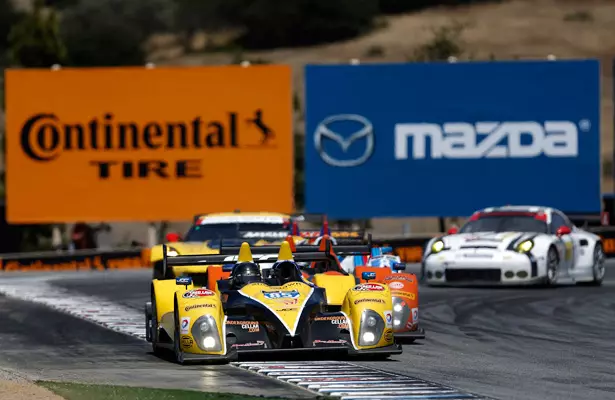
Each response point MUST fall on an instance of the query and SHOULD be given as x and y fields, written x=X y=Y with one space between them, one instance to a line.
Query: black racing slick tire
x=550 y=279
x=598 y=268
x=154 y=328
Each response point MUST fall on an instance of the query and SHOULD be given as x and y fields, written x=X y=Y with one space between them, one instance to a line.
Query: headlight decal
x=525 y=247
x=371 y=329
x=206 y=334
x=401 y=313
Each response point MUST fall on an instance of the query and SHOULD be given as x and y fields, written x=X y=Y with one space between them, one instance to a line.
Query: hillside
x=518 y=29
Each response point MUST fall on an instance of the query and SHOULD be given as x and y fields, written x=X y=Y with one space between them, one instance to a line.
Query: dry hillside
x=516 y=29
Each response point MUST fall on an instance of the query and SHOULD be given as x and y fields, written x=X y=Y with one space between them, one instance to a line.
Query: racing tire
x=598 y=268
x=177 y=351
x=550 y=279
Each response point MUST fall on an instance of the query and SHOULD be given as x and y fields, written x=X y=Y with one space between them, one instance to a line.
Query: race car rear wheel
x=179 y=354
x=154 y=328
x=552 y=266
x=598 y=269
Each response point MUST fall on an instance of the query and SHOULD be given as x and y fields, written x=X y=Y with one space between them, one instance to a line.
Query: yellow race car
x=209 y=231
x=283 y=312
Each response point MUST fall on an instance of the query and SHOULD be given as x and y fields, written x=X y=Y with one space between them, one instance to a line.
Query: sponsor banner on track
x=153 y=135
x=444 y=139
x=80 y=260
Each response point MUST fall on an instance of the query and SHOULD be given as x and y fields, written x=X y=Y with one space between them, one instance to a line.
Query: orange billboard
x=137 y=144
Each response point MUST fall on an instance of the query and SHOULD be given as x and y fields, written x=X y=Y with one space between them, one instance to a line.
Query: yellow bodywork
x=380 y=301
x=336 y=286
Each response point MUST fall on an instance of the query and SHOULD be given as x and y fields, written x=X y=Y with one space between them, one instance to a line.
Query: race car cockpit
x=244 y=273
x=284 y=272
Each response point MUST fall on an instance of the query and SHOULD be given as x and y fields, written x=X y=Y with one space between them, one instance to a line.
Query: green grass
x=80 y=391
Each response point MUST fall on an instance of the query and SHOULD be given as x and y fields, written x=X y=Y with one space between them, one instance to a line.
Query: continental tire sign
x=126 y=144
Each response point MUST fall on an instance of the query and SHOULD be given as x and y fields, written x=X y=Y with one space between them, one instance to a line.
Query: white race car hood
x=486 y=240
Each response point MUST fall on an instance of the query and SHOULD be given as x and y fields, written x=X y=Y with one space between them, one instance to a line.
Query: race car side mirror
x=399 y=266
x=183 y=281
x=453 y=230
x=173 y=237
x=563 y=230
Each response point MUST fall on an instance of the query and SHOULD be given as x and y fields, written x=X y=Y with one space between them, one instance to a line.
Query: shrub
x=112 y=32
x=272 y=23
x=445 y=43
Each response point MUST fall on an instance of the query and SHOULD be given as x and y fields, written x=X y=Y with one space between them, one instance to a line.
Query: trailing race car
x=403 y=286
x=389 y=270
x=515 y=245
x=210 y=231
x=249 y=313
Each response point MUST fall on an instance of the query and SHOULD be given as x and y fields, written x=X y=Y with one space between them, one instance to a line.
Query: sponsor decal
x=369 y=301
x=290 y=302
x=338 y=320
x=388 y=335
x=274 y=235
x=250 y=326
x=372 y=287
x=188 y=308
x=398 y=277
x=388 y=318
x=183 y=280
x=187 y=341
x=194 y=293
x=281 y=294
x=415 y=315
x=338 y=341
x=184 y=325
x=396 y=285
x=250 y=344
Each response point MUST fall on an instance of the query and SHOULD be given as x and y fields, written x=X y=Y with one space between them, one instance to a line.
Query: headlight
x=437 y=246
x=171 y=252
x=401 y=313
x=525 y=246
x=205 y=333
x=371 y=328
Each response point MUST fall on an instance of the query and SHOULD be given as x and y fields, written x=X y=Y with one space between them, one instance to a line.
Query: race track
x=503 y=343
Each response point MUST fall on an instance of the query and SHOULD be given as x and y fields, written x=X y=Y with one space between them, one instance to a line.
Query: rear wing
x=269 y=254
x=298 y=254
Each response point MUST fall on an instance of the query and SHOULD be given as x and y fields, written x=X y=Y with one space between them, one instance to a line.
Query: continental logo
x=45 y=137
x=65 y=263
x=369 y=301
x=188 y=308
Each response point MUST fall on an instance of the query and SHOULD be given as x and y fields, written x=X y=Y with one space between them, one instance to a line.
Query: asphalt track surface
x=519 y=343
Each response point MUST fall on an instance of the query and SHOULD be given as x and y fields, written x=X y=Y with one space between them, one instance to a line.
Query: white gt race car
x=515 y=245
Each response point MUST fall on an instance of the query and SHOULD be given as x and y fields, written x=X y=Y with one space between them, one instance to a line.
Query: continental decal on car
x=142 y=133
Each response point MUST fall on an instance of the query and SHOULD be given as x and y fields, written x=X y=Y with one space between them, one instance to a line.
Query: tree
x=112 y=32
x=274 y=23
x=8 y=17
x=35 y=41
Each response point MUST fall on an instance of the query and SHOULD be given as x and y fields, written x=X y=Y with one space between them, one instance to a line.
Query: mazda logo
x=365 y=131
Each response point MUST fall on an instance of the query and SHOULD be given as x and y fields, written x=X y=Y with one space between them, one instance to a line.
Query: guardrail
x=410 y=249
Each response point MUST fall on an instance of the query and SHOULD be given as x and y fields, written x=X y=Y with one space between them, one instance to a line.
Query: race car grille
x=473 y=275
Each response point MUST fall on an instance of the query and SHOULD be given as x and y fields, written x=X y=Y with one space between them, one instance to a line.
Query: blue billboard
x=440 y=139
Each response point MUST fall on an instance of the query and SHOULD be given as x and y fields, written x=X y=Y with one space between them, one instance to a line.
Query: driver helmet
x=286 y=271
x=244 y=273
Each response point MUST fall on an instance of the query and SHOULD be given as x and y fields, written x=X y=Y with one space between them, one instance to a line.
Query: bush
x=35 y=41
x=272 y=23
x=445 y=43
x=401 y=6
x=8 y=17
x=112 y=32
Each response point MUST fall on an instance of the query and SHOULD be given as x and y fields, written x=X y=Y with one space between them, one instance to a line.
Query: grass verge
x=81 y=391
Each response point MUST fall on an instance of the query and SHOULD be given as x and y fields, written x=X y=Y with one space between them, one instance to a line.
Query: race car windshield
x=231 y=232
x=505 y=223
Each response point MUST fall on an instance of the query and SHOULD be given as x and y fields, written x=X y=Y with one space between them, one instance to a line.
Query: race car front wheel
x=552 y=266
x=598 y=269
